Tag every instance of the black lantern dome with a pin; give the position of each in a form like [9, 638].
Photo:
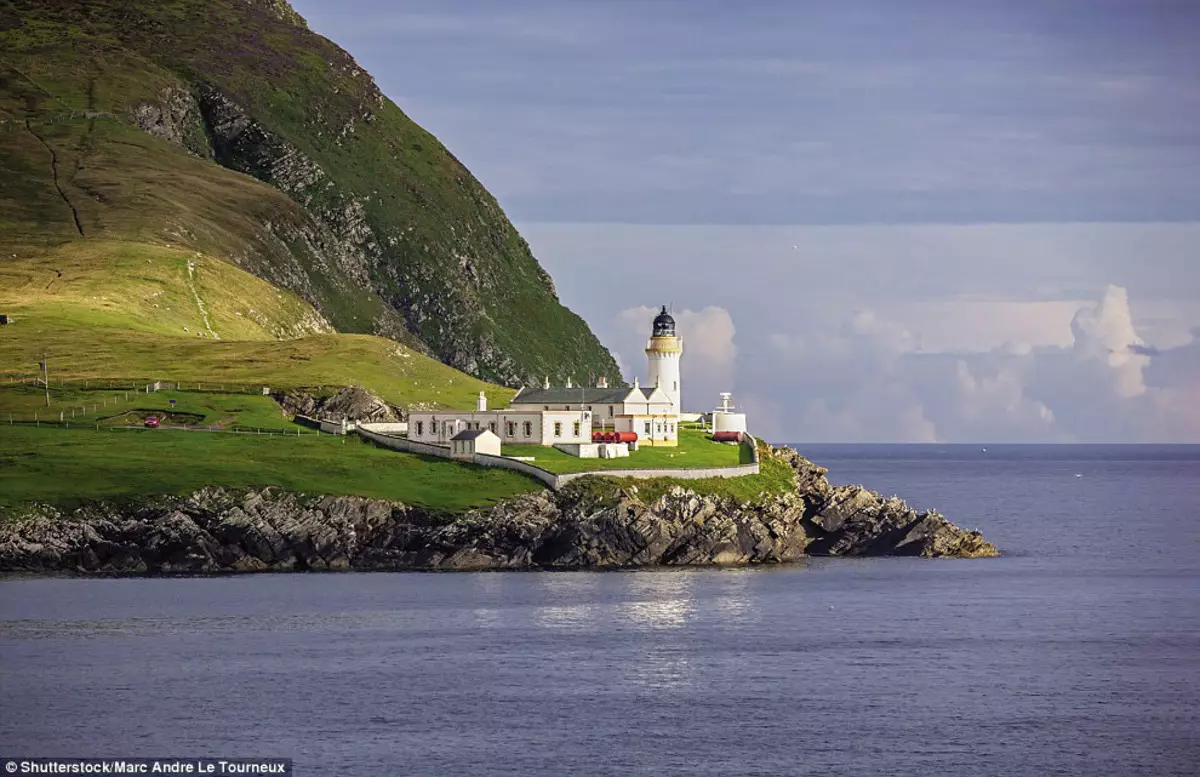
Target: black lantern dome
[664, 325]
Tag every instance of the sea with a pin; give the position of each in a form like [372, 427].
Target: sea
[1077, 652]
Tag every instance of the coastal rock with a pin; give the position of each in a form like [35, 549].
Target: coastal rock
[220, 531]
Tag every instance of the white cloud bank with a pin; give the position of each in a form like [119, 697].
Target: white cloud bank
[866, 378]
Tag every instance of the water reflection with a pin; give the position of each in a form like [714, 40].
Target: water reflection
[660, 605]
[732, 598]
[662, 669]
[659, 600]
[573, 595]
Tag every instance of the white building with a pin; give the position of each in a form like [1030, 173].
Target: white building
[467, 443]
[569, 415]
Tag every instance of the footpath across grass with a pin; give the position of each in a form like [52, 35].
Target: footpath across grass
[695, 451]
[67, 466]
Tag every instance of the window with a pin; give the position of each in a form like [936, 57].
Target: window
[547, 407]
[674, 385]
[610, 411]
[511, 428]
[558, 428]
[420, 428]
[576, 428]
[492, 427]
[529, 428]
[433, 427]
[647, 427]
[672, 428]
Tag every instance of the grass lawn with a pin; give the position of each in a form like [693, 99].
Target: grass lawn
[108, 408]
[775, 477]
[695, 450]
[65, 467]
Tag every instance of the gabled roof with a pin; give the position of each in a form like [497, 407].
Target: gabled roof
[471, 434]
[572, 396]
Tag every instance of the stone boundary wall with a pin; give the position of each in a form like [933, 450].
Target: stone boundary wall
[328, 427]
[482, 459]
[557, 481]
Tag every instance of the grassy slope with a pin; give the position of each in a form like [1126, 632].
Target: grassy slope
[65, 467]
[444, 246]
[98, 320]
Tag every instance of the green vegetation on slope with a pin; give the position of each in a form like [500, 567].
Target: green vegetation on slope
[385, 231]
[65, 467]
[132, 311]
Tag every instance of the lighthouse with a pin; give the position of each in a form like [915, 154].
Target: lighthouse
[663, 352]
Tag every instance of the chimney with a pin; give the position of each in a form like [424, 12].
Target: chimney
[481, 403]
[636, 382]
[569, 383]
[602, 382]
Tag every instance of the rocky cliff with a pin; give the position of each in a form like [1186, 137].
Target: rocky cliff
[593, 524]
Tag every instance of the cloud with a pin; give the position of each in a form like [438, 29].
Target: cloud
[1105, 332]
[864, 379]
[955, 333]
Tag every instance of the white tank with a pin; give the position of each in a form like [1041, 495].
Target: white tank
[729, 422]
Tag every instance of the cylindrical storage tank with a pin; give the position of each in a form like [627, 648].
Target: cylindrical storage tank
[626, 437]
[727, 436]
[729, 422]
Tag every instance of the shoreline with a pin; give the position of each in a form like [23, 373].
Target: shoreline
[594, 523]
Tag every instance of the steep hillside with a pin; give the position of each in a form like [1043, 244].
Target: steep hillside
[147, 122]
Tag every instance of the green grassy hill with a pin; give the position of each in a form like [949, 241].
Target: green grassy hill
[227, 128]
[127, 310]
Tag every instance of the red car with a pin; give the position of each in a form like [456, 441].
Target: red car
[152, 422]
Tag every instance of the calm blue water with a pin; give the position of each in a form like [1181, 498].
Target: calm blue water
[1078, 653]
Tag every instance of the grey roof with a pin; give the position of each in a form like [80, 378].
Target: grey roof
[469, 434]
[572, 396]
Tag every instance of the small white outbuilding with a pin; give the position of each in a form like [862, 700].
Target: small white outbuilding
[471, 441]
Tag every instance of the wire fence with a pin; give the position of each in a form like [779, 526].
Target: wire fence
[149, 385]
[99, 403]
[298, 431]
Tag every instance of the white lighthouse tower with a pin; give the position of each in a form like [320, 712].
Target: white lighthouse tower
[663, 352]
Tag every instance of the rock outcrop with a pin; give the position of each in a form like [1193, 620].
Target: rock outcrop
[353, 403]
[585, 526]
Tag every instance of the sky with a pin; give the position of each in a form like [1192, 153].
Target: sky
[928, 221]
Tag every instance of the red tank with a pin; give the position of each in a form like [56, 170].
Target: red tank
[727, 437]
[614, 436]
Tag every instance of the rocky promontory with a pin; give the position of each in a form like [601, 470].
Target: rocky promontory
[592, 524]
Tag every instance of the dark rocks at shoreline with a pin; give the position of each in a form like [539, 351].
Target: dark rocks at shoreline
[216, 531]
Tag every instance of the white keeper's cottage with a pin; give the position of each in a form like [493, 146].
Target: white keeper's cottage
[569, 415]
